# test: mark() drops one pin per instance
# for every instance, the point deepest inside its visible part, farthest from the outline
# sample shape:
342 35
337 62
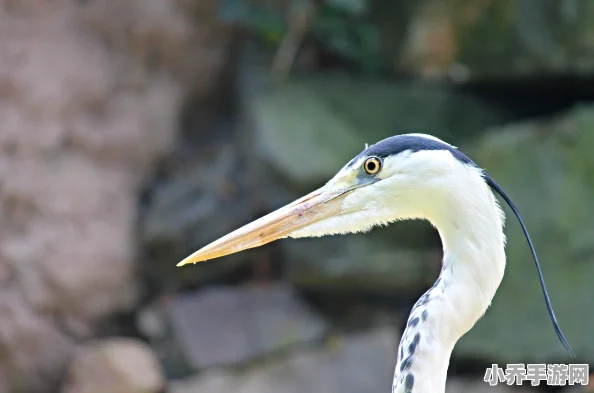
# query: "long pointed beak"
311 208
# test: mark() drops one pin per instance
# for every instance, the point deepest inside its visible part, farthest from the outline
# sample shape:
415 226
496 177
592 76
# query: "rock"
117 365
202 201
227 325
153 323
181 37
35 349
469 40
359 263
309 128
361 362
84 118
547 168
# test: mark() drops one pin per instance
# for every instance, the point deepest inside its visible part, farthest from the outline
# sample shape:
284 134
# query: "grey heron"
410 176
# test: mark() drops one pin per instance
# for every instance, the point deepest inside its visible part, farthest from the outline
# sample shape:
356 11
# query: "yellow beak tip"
188 261
185 262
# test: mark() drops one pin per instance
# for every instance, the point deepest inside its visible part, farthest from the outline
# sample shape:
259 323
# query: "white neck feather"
471 229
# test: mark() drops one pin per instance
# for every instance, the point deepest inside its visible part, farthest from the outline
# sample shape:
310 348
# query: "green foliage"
340 27
348 35
264 23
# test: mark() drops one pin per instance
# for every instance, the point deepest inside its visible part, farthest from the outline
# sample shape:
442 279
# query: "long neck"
473 266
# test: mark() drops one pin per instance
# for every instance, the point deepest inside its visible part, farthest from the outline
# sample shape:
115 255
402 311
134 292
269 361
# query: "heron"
405 177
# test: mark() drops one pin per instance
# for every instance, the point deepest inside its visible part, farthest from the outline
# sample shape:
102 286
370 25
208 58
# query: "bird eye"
372 165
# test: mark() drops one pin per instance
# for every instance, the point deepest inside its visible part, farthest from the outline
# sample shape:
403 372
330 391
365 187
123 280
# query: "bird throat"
460 296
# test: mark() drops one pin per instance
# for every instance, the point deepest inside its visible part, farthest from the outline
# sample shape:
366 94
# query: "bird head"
398 178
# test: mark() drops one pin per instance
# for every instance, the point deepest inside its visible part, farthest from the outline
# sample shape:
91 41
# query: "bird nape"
411 176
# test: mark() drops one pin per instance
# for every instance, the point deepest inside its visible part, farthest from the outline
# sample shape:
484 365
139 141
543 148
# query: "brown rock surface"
357 362
116 365
89 97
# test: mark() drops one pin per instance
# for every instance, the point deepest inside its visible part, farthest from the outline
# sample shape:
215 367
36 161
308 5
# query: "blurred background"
133 132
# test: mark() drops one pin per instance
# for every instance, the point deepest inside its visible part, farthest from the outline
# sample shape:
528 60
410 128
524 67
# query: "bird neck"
472 269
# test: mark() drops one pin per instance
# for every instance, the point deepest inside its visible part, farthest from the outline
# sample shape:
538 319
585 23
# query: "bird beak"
279 224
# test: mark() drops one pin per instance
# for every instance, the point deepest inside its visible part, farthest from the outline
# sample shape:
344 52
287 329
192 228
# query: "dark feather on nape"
511 205
401 143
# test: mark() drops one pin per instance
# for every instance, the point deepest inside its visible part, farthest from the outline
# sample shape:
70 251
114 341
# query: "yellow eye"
372 165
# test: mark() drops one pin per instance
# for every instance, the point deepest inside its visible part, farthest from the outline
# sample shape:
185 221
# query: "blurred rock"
473 40
115 365
232 325
359 263
34 349
84 117
153 322
184 37
547 168
201 202
355 363
309 128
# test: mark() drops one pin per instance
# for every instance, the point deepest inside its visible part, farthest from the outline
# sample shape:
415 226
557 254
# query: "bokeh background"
133 132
